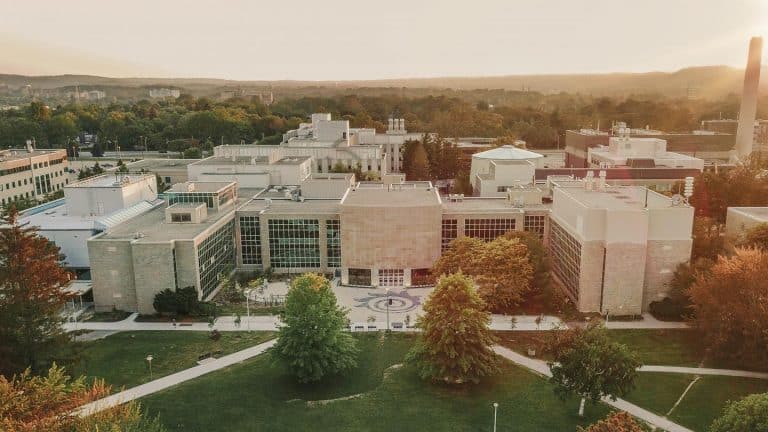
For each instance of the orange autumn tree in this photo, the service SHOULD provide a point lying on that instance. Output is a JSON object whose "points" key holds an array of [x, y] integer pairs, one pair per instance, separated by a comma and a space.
{"points": [[31, 286], [501, 268], [730, 305], [616, 422], [49, 404]]}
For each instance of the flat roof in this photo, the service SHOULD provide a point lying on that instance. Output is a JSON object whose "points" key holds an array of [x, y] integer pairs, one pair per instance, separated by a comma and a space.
{"points": [[17, 154], [617, 197], [237, 160], [200, 186], [396, 195], [486, 205], [110, 180], [167, 164], [56, 217], [293, 160], [758, 213], [151, 226], [284, 206]]}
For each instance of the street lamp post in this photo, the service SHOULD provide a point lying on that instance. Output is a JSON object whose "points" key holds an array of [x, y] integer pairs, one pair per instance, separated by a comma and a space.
{"points": [[149, 359], [248, 307], [495, 409], [387, 309]]}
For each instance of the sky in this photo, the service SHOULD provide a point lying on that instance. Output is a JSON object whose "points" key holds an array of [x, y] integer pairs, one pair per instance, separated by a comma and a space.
{"points": [[362, 39]]}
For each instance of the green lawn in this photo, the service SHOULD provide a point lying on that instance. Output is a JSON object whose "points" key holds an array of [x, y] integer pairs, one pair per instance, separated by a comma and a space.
{"points": [[704, 402], [706, 399], [676, 347], [257, 395], [119, 358]]}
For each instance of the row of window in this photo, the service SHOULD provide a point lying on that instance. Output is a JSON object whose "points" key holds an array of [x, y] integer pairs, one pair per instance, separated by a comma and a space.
{"points": [[22, 182], [489, 229], [565, 252], [216, 255], [250, 240], [294, 243]]}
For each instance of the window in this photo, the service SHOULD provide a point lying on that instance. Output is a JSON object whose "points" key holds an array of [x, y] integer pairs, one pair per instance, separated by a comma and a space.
{"points": [[294, 243], [450, 232], [181, 217], [391, 277], [215, 255], [333, 242], [191, 197], [565, 252], [535, 224], [501, 188], [167, 180], [250, 239], [488, 229], [360, 277]]}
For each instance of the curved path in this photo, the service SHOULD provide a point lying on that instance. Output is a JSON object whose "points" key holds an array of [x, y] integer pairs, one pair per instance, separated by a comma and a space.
{"points": [[703, 371]]}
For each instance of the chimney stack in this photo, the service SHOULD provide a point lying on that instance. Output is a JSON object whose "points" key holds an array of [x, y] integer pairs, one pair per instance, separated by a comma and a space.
{"points": [[746, 128]]}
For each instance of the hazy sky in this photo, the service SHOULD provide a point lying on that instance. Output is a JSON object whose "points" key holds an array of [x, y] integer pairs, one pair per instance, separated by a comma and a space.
{"points": [[340, 40]]}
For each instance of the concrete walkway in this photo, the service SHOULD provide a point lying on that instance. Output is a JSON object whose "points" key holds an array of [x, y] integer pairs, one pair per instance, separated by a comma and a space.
{"points": [[704, 371], [172, 380], [540, 367], [648, 322], [224, 323]]}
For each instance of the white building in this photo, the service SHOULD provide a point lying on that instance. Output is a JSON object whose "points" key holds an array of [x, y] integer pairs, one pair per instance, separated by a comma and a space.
{"points": [[626, 151], [31, 173], [614, 248], [253, 171], [164, 93]]}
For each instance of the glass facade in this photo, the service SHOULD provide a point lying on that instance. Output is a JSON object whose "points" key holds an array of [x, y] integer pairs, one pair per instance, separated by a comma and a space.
{"points": [[488, 229], [535, 224], [294, 243], [566, 257], [215, 255], [450, 232], [360, 277], [333, 242], [191, 197], [250, 239]]}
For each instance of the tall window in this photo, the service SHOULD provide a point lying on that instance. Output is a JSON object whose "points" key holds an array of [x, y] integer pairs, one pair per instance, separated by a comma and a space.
{"points": [[191, 197], [294, 243], [333, 242], [215, 255], [450, 232], [535, 224], [487, 229], [250, 239], [565, 251], [391, 277]]}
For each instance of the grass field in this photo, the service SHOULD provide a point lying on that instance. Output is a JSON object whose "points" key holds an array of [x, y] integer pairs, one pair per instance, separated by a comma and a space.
{"points": [[676, 347], [658, 392], [258, 395], [120, 358]]}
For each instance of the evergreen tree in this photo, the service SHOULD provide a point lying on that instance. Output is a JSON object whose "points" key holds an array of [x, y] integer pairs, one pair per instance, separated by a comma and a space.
{"points": [[32, 281], [455, 343], [312, 342], [418, 165]]}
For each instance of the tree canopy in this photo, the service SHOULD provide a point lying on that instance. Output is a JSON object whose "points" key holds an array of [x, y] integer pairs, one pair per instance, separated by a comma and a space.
{"points": [[33, 280], [312, 343], [748, 414], [501, 268], [586, 363], [455, 343], [619, 421], [730, 303]]}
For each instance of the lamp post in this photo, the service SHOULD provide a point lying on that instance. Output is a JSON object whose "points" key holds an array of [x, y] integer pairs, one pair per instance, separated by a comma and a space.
{"points": [[387, 309], [495, 409], [248, 307], [149, 359]]}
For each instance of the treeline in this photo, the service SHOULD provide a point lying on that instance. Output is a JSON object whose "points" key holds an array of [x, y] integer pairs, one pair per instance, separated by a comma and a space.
{"points": [[540, 120]]}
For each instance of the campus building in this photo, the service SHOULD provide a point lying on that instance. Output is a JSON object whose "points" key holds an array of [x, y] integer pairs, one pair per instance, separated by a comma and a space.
{"points": [[739, 220], [614, 248], [31, 173]]}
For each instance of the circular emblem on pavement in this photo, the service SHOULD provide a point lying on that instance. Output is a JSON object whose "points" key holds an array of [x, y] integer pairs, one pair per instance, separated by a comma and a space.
{"points": [[398, 302]]}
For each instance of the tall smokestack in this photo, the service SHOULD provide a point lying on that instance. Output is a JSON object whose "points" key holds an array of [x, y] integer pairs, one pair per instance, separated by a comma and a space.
{"points": [[746, 130]]}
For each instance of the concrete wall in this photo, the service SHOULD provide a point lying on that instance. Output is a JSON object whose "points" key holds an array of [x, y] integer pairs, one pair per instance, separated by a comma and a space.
{"points": [[661, 260], [112, 275], [86, 201], [153, 272]]}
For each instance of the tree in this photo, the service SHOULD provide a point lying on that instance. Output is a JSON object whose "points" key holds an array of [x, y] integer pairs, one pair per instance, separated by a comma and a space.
{"points": [[44, 404], [312, 342], [501, 268], [757, 237], [587, 364], [60, 129], [416, 167], [455, 343], [677, 305], [748, 414], [537, 256], [619, 421], [32, 278], [193, 153], [730, 305], [708, 238], [121, 167], [183, 301]]}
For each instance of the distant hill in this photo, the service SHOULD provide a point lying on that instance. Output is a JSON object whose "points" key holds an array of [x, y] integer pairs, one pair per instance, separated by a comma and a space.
{"points": [[709, 82]]}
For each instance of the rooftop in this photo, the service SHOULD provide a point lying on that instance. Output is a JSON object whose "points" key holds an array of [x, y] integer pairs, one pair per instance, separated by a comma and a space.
{"points": [[757, 213], [19, 154], [151, 227], [111, 180], [154, 164], [286, 206], [617, 197], [408, 194], [233, 160], [484, 205], [507, 152], [55, 216], [198, 186]]}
